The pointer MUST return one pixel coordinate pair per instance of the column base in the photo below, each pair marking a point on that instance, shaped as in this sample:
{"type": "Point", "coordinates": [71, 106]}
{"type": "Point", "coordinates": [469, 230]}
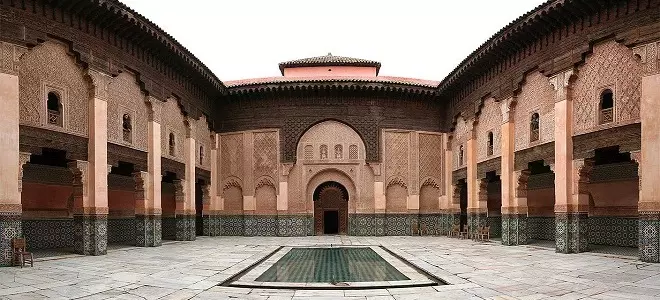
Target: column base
{"type": "Point", "coordinates": [185, 227]}
{"type": "Point", "coordinates": [514, 230]}
{"type": "Point", "coordinates": [572, 232]}
{"type": "Point", "coordinates": [148, 231]}
{"type": "Point", "coordinates": [211, 225]}
{"type": "Point", "coordinates": [10, 228]}
{"type": "Point", "coordinates": [649, 237]}
{"type": "Point", "coordinates": [476, 220]}
{"type": "Point", "coordinates": [91, 234]}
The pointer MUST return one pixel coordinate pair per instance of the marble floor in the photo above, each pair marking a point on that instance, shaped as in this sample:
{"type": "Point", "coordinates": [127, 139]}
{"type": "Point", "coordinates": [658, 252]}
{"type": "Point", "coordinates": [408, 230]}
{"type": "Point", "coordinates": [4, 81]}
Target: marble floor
{"type": "Point", "coordinates": [474, 270]}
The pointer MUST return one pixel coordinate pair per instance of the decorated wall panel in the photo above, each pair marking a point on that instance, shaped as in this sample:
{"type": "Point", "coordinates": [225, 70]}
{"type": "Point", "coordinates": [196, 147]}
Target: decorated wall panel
{"type": "Point", "coordinates": [430, 157]}
{"type": "Point", "coordinates": [203, 143]}
{"type": "Point", "coordinates": [172, 123]}
{"type": "Point", "coordinates": [126, 98]}
{"type": "Point", "coordinates": [429, 198]}
{"type": "Point", "coordinates": [490, 121]}
{"type": "Point", "coordinates": [49, 68]}
{"type": "Point", "coordinates": [266, 198]}
{"type": "Point", "coordinates": [462, 132]}
{"type": "Point", "coordinates": [397, 151]}
{"type": "Point", "coordinates": [396, 196]}
{"type": "Point", "coordinates": [536, 96]}
{"type": "Point", "coordinates": [264, 156]}
{"type": "Point", "coordinates": [232, 155]}
{"type": "Point", "coordinates": [611, 66]}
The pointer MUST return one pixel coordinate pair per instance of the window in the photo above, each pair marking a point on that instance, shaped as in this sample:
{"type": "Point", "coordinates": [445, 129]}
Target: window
{"type": "Point", "coordinates": [606, 107]}
{"type": "Point", "coordinates": [201, 155]}
{"type": "Point", "coordinates": [353, 152]}
{"type": "Point", "coordinates": [339, 149]}
{"type": "Point", "coordinates": [309, 152]}
{"type": "Point", "coordinates": [490, 143]}
{"type": "Point", "coordinates": [534, 128]}
{"type": "Point", "coordinates": [127, 128]}
{"type": "Point", "coordinates": [324, 151]}
{"type": "Point", "coordinates": [172, 144]}
{"type": "Point", "coordinates": [460, 155]}
{"type": "Point", "coordinates": [54, 107]}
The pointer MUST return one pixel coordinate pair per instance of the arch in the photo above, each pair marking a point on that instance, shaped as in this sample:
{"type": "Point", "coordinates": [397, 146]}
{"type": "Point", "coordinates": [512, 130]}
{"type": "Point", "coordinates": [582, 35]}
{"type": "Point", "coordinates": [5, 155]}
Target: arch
{"type": "Point", "coordinates": [606, 107]}
{"type": "Point", "coordinates": [302, 134]}
{"type": "Point", "coordinates": [171, 142]}
{"type": "Point", "coordinates": [429, 195]}
{"type": "Point", "coordinates": [330, 208]}
{"type": "Point", "coordinates": [265, 194]}
{"type": "Point", "coordinates": [394, 180]}
{"type": "Point", "coordinates": [396, 196]}
{"type": "Point", "coordinates": [490, 144]}
{"type": "Point", "coordinates": [54, 108]}
{"type": "Point", "coordinates": [318, 134]}
{"type": "Point", "coordinates": [330, 174]}
{"type": "Point", "coordinates": [232, 193]}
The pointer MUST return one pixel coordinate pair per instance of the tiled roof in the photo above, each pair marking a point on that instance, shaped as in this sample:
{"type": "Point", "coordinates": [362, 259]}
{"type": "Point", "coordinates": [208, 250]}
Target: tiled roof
{"type": "Point", "coordinates": [329, 60]}
{"type": "Point", "coordinates": [370, 79]}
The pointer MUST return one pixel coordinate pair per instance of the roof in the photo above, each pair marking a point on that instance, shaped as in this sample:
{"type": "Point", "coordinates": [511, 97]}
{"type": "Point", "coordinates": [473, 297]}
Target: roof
{"type": "Point", "coordinates": [329, 60]}
{"type": "Point", "coordinates": [370, 79]}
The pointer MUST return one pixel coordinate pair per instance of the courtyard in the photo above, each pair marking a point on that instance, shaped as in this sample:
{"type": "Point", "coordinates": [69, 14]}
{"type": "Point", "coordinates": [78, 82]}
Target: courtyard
{"type": "Point", "coordinates": [472, 270]}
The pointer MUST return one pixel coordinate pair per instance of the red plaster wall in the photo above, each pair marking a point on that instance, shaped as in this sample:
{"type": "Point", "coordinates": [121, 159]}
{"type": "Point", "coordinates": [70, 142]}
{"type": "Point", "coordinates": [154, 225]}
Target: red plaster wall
{"type": "Point", "coordinates": [614, 198]}
{"type": "Point", "coordinates": [121, 203]}
{"type": "Point", "coordinates": [45, 200]}
{"type": "Point", "coordinates": [541, 202]}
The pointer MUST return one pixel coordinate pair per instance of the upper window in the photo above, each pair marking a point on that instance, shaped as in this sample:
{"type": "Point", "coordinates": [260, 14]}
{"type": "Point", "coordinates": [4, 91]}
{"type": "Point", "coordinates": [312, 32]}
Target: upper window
{"type": "Point", "coordinates": [309, 152]}
{"type": "Point", "coordinates": [54, 107]}
{"type": "Point", "coordinates": [172, 144]}
{"type": "Point", "coordinates": [490, 144]}
{"type": "Point", "coordinates": [353, 152]}
{"type": "Point", "coordinates": [606, 107]}
{"type": "Point", "coordinates": [460, 155]}
{"type": "Point", "coordinates": [534, 125]}
{"type": "Point", "coordinates": [339, 151]}
{"type": "Point", "coordinates": [201, 155]}
{"type": "Point", "coordinates": [324, 151]}
{"type": "Point", "coordinates": [127, 128]}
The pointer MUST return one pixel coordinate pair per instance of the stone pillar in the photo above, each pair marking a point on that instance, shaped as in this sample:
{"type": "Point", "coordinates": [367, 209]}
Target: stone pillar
{"type": "Point", "coordinates": [185, 191]}
{"type": "Point", "coordinates": [477, 208]}
{"type": "Point", "coordinates": [284, 221]}
{"type": "Point", "coordinates": [147, 221]}
{"type": "Point", "coordinates": [90, 220]}
{"type": "Point", "coordinates": [570, 218]}
{"type": "Point", "coordinates": [210, 212]}
{"type": "Point", "coordinates": [380, 202]}
{"type": "Point", "coordinates": [10, 198]}
{"type": "Point", "coordinates": [451, 210]}
{"type": "Point", "coordinates": [649, 192]}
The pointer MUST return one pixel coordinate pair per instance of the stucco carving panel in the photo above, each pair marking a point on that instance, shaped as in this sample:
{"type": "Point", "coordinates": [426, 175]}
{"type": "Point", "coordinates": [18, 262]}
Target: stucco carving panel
{"type": "Point", "coordinates": [536, 96]}
{"type": "Point", "coordinates": [613, 66]}
{"type": "Point", "coordinates": [125, 96]}
{"type": "Point", "coordinates": [490, 120]}
{"type": "Point", "coordinates": [397, 147]}
{"type": "Point", "coordinates": [266, 199]}
{"type": "Point", "coordinates": [330, 133]}
{"type": "Point", "coordinates": [173, 121]}
{"type": "Point", "coordinates": [203, 138]}
{"type": "Point", "coordinates": [430, 156]}
{"type": "Point", "coordinates": [265, 154]}
{"type": "Point", "coordinates": [428, 198]}
{"type": "Point", "coordinates": [49, 67]}
{"type": "Point", "coordinates": [232, 155]}
{"type": "Point", "coordinates": [461, 135]}
{"type": "Point", "coordinates": [396, 199]}
{"type": "Point", "coordinates": [10, 55]}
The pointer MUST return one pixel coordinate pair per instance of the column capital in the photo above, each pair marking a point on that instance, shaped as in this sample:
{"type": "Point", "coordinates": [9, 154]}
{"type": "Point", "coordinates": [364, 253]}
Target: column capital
{"type": "Point", "coordinates": [507, 107]}
{"type": "Point", "coordinates": [23, 158]}
{"type": "Point", "coordinates": [647, 55]}
{"type": "Point", "coordinates": [563, 79]}
{"type": "Point", "coordinates": [100, 83]}
{"type": "Point", "coordinates": [155, 107]}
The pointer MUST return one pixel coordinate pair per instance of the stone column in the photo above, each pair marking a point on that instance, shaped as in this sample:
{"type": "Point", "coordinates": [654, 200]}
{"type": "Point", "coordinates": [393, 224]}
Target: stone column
{"type": "Point", "coordinates": [211, 226]}
{"type": "Point", "coordinates": [185, 210]}
{"type": "Point", "coordinates": [477, 206]}
{"type": "Point", "coordinates": [570, 218]}
{"type": "Point", "coordinates": [284, 221]}
{"type": "Point", "coordinates": [451, 210]}
{"type": "Point", "coordinates": [148, 211]}
{"type": "Point", "coordinates": [147, 221]}
{"type": "Point", "coordinates": [10, 198]}
{"type": "Point", "coordinates": [90, 220]}
{"type": "Point", "coordinates": [380, 202]}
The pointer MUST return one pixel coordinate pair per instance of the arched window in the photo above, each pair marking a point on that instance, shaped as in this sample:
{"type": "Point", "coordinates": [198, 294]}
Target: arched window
{"type": "Point", "coordinates": [54, 107]}
{"type": "Point", "coordinates": [339, 149]}
{"type": "Point", "coordinates": [127, 128]}
{"type": "Point", "coordinates": [353, 152]}
{"type": "Point", "coordinates": [460, 155]}
{"type": "Point", "coordinates": [534, 125]}
{"type": "Point", "coordinates": [324, 151]}
{"type": "Point", "coordinates": [490, 144]}
{"type": "Point", "coordinates": [309, 152]}
{"type": "Point", "coordinates": [172, 144]}
{"type": "Point", "coordinates": [606, 106]}
{"type": "Point", "coordinates": [201, 155]}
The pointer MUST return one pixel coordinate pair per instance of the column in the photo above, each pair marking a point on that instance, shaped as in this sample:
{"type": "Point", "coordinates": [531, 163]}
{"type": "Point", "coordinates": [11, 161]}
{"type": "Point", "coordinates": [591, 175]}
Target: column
{"type": "Point", "coordinates": [514, 199]}
{"type": "Point", "coordinates": [211, 226]}
{"type": "Point", "coordinates": [451, 209]}
{"type": "Point", "coordinates": [380, 204]}
{"type": "Point", "coordinates": [10, 197]}
{"type": "Point", "coordinates": [649, 192]}
{"type": "Point", "coordinates": [185, 198]}
{"type": "Point", "coordinates": [477, 206]}
{"type": "Point", "coordinates": [284, 221]}
{"type": "Point", "coordinates": [148, 224]}
{"type": "Point", "coordinates": [570, 218]}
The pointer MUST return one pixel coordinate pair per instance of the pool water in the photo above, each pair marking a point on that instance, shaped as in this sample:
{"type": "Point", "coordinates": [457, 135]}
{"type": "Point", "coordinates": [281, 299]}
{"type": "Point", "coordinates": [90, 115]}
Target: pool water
{"type": "Point", "coordinates": [331, 265]}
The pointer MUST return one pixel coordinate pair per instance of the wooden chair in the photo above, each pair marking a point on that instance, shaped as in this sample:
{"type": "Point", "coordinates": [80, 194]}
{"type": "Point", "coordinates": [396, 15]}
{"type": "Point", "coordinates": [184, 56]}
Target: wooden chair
{"type": "Point", "coordinates": [415, 229]}
{"type": "Point", "coordinates": [424, 230]}
{"type": "Point", "coordinates": [454, 231]}
{"type": "Point", "coordinates": [19, 253]}
{"type": "Point", "coordinates": [465, 234]}
{"type": "Point", "coordinates": [483, 234]}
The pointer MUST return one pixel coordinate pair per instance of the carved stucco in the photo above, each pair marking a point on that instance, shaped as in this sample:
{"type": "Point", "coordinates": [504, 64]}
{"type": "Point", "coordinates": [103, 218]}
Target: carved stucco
{"type": "Point", "coordinates": [330, 133]}
{"type": "Point", "coordinates": [430, 157]}
{"type": "Point", "coordinates": [10, 55]}
{"type": "Point", "coordinates": [612, 66]}
{"type": "Point", "coordinates": [125, 97]}
{"type": "Point", "coordinates": [203, 139]}
{"type": "Point", "coordinates": [536, 96]}
{"type": "Point", "coordinates": [48, 67]}
{"type": "Point", "coordinates": [397, 151]}
{"type": "Point", "coordinates": [462, 132]}
{"type": "Point", "coordinates": [264, 156]}
{"type": "Point", "coordinates": [490, 120]}
{"type": "Point", "coordinates": [172, 122]}
{"type": "Point", "coordinates": [232, 155]}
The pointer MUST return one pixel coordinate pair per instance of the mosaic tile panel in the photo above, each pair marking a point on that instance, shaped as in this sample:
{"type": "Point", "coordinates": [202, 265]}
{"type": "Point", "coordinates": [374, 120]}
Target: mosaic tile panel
{"type": "Point", "coordinates": [572, 234]}
{"type": "Point", "coordinates": [48, 234]}
{"type": "Point", "coordinates": [211, 225]}
{"type": "Point", "coordinates": [10, 227]}
{"type": "Point", "coordinates": [331, 265]}
{"type": "Point", "coordinates": [168, 226]}
{"type": "Point", "coordinates": [397, 224]}
{"type": "Point", "coordinates": [514, 230]}
{"type": "Point", "coordinates": [121, 231]}
{"type": "Point", "coordinates": [495, 224]}
{"type": "Point", "coordinates": [260, 225]}
{"type": "Point", "coordinates": [476, 220]}
{"type": "Point", "coordinates": [185, 227]}
{"type": "Point", "coordinates": [361, 224]}
{"type": "Point", "coordinates": [91, 234]}
{"type": "Point", "coordinates": [148, 231]}
{"type": "Point", "coordinates": [649, 236]}
{"type": "Point", "coordinates": [613, 231]}
{"type": "Point", "coordinates": [541, 228]}
{"type": "Point", "coordinates": [232, 225]}
{"type": "Point", "coordinates": [293, 225]}
{"type": "Point", "coordinates": [379, 224]}
{"type": "Point", "coordinates": [432, 222]}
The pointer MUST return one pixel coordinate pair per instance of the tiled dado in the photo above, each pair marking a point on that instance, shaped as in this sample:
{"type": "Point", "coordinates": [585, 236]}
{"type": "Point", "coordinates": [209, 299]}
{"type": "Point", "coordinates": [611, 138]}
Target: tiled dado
{"type": "Point", "coordinates": [572, 232]}
{"type": "Point", "coordinates": [432, 223]}
{"type": "Point", "coordinates": [121, 231]}
{"type": "Point", "coordinates": [185, 227]}
{"type": "Point", "coordinates": [495, 225]}
{"type": "Point", "coordinates": [211, 225]}
{"type": "Point", "coordinates": [613, 231]}
{"type": "Point", "coordinates": [649, 236]}
{"type": "Point", "coordinates": [148, 230]}
{"type": "Point", "coordinates": [476, 221]}
{"type": "Point", "coordinates": [515, 229]}
{"type": "Point", "coordinates": [10, 227]}
{"type": "Point", "coordinates": [90, 234]}
{"type": "Point", "coordinates": [265, 225]}
{"type": "Point", "coordinates": [541, 228]}
{"type": "Point", "coordinates": [48, 233]}
{"type": "Point", "coordinates": [399, 224]}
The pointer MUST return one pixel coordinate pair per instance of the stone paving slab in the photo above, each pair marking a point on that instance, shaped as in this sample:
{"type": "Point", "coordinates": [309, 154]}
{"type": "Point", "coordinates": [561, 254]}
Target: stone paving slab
{"type": "Point", "coordinates": [193, 270]}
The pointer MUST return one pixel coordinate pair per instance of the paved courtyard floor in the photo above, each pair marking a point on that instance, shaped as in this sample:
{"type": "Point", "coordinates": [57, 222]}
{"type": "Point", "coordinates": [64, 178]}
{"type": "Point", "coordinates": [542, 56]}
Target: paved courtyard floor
{"type": "Point", "coordinates": [193, 270]}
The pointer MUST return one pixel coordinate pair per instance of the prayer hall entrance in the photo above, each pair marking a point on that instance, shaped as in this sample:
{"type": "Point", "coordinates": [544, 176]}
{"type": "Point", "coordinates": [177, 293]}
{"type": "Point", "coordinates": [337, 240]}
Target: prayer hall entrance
{"type": "Point", "coordinates": [330, 209]}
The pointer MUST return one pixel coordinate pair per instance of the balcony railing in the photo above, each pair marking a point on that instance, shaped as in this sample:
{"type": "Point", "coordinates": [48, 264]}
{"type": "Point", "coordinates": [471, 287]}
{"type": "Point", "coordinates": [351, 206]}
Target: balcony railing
{"type": "Point", "coordinates": [606, 115]}
{"type": "Point", "coordinates": [54, 117]}
{"type": "Point", "coordinates": [534, 135]}
{"type": "Point", "coordinates": [128, 137]}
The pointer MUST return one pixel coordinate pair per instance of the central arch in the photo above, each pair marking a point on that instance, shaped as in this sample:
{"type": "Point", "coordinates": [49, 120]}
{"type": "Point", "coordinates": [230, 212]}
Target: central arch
{"type": "Point", "coordinates": [330, 208]}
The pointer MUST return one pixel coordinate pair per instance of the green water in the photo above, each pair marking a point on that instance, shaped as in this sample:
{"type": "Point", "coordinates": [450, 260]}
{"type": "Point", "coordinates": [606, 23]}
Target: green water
{"type": "Point", "coordinates": [331, 265]}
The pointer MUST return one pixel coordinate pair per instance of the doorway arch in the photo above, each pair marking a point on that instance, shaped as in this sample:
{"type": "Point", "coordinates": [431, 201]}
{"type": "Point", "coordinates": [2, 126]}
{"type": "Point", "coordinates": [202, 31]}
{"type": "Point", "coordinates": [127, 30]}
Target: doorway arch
{"type": "Point", "coordinates": [330, 208]}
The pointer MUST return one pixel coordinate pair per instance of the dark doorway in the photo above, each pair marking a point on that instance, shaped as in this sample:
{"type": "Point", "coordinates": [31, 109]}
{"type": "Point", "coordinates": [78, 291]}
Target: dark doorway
{"type": "Point", "coordinates": [199, 207]}
{"type": "Point", "coordinates": [330, 222]}
{"type": "Point", "coordinates": [463, 202]}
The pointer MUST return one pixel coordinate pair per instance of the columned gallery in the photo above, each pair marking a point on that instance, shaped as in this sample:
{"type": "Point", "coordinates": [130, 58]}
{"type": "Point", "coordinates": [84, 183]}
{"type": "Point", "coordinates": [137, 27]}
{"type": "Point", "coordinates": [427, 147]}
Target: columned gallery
{"type": "Point", "coordinates": [112, 133]}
